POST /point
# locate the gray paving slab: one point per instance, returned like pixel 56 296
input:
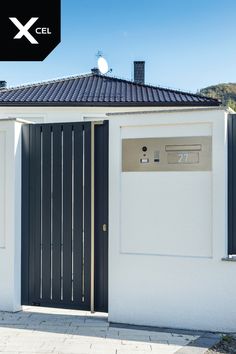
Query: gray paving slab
pixel 59 331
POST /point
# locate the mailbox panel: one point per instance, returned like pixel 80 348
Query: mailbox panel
pixel 167 154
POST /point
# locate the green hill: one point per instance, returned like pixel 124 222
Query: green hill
pixel 224 92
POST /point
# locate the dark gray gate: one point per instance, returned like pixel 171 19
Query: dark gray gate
pixel 58 167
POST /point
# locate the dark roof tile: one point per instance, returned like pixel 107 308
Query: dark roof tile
pixel 94 89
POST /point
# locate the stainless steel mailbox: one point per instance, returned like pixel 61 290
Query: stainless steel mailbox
pixel 167 154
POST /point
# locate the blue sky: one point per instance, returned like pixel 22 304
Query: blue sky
pixel 187 44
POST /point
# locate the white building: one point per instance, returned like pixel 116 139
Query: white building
pixel 167 220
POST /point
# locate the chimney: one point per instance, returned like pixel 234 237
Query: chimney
pixel 3 84
pixel 139 72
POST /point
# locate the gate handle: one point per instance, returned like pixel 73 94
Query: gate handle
pixel 104 227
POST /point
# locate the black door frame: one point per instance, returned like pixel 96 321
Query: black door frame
pixel 97 191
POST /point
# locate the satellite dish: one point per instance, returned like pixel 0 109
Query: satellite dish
pixel 102 65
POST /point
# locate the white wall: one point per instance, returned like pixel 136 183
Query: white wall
pixel 166 212
pixel 10 215
pixel 156 276
pixel 72 114
pixel 2 186
pixel 159 282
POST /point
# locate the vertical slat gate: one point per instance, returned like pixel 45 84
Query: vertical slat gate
pixel 46 212
pixel 87 216
pixel 78 218
pixel 57 208
pixel 36 180
pixel 56 215
pixel 67 213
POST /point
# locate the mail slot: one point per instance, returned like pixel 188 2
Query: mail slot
pixel 167 154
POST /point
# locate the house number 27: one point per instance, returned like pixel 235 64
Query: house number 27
pixel 183 157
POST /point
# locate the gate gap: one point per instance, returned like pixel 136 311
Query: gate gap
pixel 62 207
pixel 83 221
pixel 41 214
pixel 72 215
pixel 51 236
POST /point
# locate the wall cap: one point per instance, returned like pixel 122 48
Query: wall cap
pixel 18 120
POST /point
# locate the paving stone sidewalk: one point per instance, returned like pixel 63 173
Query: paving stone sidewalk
pixel 42 330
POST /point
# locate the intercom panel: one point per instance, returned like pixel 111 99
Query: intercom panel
pixel 167 154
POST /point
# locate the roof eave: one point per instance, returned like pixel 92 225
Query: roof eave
pixel 109 104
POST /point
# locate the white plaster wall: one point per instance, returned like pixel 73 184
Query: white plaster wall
pixel 2 186
pixel 72 114
pixel 10 186
pixel 185 287
pixel 167 213
pixel 172 290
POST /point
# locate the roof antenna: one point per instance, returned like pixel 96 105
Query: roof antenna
pixel 102 65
